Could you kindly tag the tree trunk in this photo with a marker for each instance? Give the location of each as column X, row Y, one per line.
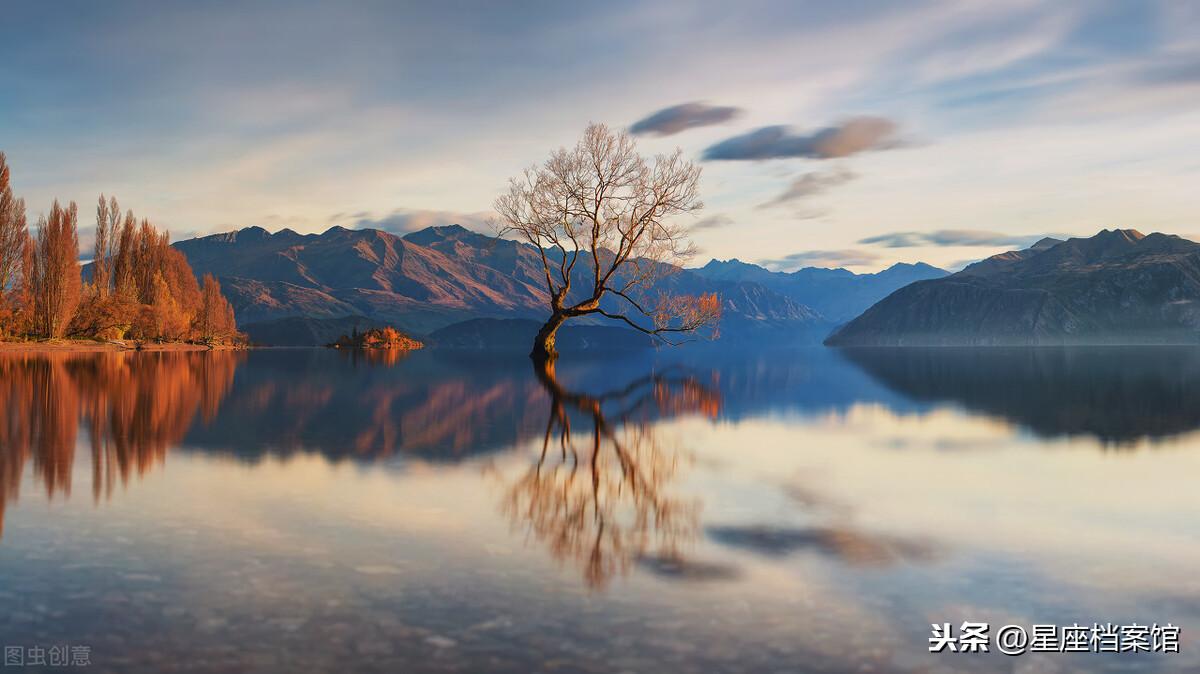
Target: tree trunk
column 544, row 344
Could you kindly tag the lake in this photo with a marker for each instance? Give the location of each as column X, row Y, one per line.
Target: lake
column 696, row 510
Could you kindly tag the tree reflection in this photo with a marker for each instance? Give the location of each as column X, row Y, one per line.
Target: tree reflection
column 135, row 407
column 385, row 357
column 598, row 493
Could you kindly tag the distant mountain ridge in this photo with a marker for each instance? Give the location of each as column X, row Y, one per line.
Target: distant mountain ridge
column 367, row 272
column 1116, row 287
column 428, row 280
column 837, row 294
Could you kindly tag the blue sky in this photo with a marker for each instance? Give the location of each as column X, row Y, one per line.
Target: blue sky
column 851, row 133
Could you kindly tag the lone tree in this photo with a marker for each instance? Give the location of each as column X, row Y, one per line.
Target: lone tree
column 600, row 216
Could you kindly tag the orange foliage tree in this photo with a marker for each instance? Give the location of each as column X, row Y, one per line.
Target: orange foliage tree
column 108, row 220
column 56, row 277
column 215, row 321
column 155, row 294
column 13, row 235
column 377, row 338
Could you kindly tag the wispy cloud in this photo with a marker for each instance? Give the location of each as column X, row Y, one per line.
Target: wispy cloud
column 823, row 258
column 404, row 220
column 954, row 237
column 682, row 117
column 854, row 135
column 985, row 49
column 1081, row 105
column 811, row 184
column 715, row 221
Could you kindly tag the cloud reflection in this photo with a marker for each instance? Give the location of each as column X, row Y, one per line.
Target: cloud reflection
column 851, row 546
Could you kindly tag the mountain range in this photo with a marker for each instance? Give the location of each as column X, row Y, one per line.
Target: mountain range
column 837, row 294
column 291, row 288
column 1118, row 286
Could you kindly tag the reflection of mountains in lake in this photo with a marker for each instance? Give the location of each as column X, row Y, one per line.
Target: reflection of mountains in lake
column 345, row 406
column 601, row 489
column 133, row 408
column 445, row 406
column 1116, row 394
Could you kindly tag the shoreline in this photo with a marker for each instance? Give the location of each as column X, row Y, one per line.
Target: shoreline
column 90, row 346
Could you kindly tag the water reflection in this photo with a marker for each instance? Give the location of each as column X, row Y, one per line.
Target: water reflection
column 842, row 543
column 324, row 512
column 1118, row 395
column 134, row 406
column 598, row 494
column 363, row 408
column 385, row 357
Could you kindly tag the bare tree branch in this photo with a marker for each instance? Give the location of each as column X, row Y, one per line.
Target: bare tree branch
column 617, row 208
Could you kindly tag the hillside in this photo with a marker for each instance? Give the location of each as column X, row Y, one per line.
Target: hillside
column 1117, row 287
column 428, row 280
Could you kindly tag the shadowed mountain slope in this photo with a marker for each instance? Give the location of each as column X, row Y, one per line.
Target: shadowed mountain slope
column 1117, row 287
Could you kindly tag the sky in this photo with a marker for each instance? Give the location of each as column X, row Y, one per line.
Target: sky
column 855, row 134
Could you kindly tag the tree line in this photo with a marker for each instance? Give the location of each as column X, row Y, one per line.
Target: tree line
column 138, row 286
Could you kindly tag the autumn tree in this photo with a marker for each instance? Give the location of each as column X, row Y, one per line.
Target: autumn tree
column 140, row 285
column 22, row 294
column 101, row 313
column 157, row 280
column 601, row 217
column 215, row 321
column 170, row 319
column 155, row 294
column 56, row 277
column 124, row 283
column 148, row 259
column 108, row 222
column 13, row 233
column 377, row 338
column 180, row 279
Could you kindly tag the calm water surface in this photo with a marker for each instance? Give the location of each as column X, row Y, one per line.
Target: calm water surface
column 690, row 511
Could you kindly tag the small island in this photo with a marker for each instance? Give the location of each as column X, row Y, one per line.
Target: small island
column 377, row 338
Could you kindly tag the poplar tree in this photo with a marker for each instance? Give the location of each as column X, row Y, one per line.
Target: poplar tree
column 13, row 232
column 56, row 274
